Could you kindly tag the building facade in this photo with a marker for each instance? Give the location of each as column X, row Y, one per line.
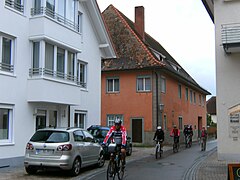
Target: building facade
column 226, row 16
column 50, row 68
column 145, row 86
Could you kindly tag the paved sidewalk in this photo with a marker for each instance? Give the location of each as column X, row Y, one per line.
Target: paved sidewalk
column 212, row 169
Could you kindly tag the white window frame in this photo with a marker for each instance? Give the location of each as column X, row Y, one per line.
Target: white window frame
column 191, row 96
column 143, row 78
column 84, row 64
column 113, row 84
column 15, row 6
column 84, row 113
column 163, row 84
column 12, row 53
column 9, row 140
column 112, row 117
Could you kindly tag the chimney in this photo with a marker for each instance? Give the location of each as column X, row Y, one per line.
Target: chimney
column 139, row 21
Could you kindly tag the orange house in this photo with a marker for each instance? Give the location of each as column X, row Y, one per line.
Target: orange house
column 145, row 86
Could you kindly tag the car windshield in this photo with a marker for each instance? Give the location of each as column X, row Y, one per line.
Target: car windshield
column 99, row 133
column 50, row 136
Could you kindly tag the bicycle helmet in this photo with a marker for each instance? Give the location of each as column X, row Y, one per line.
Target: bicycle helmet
column 118, row 121
column 159, row 128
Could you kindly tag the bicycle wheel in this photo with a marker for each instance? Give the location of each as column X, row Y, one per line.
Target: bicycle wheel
column 157, row 151
column 121, row 170
column 111, row 170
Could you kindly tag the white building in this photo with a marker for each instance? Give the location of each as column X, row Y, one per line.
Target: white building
column 226, row 17
column 50, row 68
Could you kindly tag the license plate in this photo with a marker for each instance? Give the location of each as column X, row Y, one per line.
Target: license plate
column 44, row 151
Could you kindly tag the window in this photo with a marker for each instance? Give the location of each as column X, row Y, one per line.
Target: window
column 112, row 85
column 144, row 83
column 6, row 54
column 49, row 58
column 180, row 122
column 194, row 97
column 79, row 22
column 203, row 100
column 82, row 73
column 6, row 118
column 15, row 4
column 191, row 96
column 179, row 91
column 111, row 118
column 60, row 62
column 186, row 94
column 200, row 100
column 70, row 66
column 163, row 84
column 79, row 119
column 50, row 8
column 36, row 55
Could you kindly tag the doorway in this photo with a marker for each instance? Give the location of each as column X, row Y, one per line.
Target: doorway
column 137, row 130
column 41, row 119
column 199, row 125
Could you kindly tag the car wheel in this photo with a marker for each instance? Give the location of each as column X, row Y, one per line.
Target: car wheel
column 76, row 167
column 101, row 160
column 129, row 152
column 31, row 170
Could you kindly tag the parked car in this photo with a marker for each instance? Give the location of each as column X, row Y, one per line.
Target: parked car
column 63, row 148
column 100, row 132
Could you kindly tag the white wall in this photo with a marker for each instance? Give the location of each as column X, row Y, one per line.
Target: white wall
column 227, row 77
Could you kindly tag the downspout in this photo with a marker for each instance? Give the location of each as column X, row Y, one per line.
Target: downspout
column 156, row 98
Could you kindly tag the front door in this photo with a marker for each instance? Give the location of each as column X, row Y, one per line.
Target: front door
column 137, row 130
column 41, row 119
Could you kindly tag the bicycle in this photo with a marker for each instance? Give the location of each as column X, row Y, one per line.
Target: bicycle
column 115, row 165
column 176, row 144
column 203, row 144
column 188, row 142
column 158, row 148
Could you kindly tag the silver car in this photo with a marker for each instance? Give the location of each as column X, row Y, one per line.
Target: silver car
column 62, row 148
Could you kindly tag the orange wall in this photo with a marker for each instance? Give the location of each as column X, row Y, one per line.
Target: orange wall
column 175, row 107
column 128, row 101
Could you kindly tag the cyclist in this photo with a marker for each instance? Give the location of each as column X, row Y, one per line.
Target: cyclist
column 190, row 132
column 185, row 132
column 175, row 133
column 118, row 134
column 204, row 138
column 159, row 134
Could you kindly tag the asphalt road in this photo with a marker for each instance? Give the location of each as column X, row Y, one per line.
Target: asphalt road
column 172, row 166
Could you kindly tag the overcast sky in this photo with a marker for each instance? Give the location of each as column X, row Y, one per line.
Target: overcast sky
column 183, row 28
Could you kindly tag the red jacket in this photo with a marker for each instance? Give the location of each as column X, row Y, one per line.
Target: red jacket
column 175, row 132
column 121, row 133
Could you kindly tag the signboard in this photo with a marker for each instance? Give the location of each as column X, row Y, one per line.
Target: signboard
column 234, row 122
column 233, row 171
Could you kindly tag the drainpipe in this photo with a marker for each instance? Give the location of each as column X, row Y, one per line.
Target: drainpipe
column 156, row 97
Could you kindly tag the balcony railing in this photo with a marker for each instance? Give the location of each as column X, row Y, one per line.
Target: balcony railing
column 43, row 72
column 48, row 12
column 6, row 67
column 231, row 37
column 14, row 5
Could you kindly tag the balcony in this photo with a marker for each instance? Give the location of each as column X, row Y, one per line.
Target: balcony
column 53, row 87
column 55, row 16
column 231, row 37
column 15, row 5
column 46, row 24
